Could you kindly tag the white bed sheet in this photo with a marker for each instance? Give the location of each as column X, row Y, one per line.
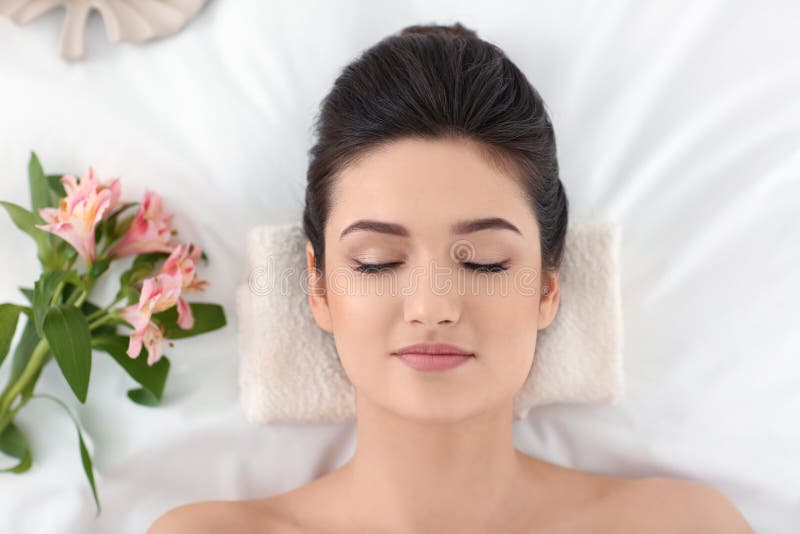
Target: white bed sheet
column 680, row 120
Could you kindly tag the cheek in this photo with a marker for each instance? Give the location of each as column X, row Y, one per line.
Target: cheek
column 505, row 307
column 506, row 329
column 361, row 325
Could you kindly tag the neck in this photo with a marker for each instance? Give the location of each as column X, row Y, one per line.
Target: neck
column 433, row 476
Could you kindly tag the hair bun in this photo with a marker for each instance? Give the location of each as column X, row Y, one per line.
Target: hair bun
column 455, row 30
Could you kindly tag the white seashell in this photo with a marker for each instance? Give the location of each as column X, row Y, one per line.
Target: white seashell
column 124, row 20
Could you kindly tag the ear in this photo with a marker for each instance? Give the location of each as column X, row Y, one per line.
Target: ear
column 317, row 298
column 549, row 298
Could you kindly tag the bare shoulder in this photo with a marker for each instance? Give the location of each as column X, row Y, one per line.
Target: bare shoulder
column 231, row 517
column 686, row 505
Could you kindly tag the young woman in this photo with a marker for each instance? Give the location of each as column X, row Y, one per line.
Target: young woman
column 436, row 221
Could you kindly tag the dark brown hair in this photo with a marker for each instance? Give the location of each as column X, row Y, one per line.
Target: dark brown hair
column 433, row 81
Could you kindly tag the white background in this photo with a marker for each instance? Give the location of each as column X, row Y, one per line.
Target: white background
column 679, row 120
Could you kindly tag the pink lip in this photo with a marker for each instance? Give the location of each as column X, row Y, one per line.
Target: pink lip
column 433, row 356
column 433, row 362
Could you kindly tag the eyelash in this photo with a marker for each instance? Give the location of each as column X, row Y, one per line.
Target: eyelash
column 378, row 267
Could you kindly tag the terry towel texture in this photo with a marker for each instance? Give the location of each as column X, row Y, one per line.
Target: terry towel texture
column 289, row 370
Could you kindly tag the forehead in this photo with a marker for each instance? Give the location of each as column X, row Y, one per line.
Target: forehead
column 427, row 185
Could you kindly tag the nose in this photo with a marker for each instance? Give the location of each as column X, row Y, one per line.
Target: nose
column 431, row 296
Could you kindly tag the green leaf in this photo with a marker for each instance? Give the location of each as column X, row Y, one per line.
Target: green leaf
column 86, row 459
column 143, row 396
column 67, row 332
column 56, row 187
column 14, row 444
column 28, row 292
column 110, row 228
column 43, row 291
column 99, row 268
column 132, row 276
column 40, row 194
column 25, row 221
column 150, row 258
column 207, row 317
column 65, row 251
column 9, row 315
column 130, row 294
column 124, row 225
column 143, row 266
column 151, row 378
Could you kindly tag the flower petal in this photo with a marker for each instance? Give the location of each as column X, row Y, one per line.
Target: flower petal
column 185, row 316
column 154, row 340
column 135, row 345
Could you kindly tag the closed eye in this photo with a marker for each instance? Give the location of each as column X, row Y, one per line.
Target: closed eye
column 378, row 267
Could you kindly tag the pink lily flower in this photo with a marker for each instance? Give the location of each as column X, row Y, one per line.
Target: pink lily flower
column 182, row 263
column 158, row 294
column 80, row 211
column 149, row 231
column 153, row 338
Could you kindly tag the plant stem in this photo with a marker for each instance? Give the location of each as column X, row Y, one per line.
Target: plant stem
column 101, row 320
column 72, row 261
column 100, row 312
column 5, row 419
column 80, row 300
column 81, row 296
column 73, row 297
column 8, row 396
column 57, row 293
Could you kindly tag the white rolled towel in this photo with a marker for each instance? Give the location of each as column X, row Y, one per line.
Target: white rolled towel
column 289, row 370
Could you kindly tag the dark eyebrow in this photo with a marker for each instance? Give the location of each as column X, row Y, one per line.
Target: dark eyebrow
column 459, row 228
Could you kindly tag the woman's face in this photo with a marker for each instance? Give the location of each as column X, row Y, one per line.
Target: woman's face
column 430, row 292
